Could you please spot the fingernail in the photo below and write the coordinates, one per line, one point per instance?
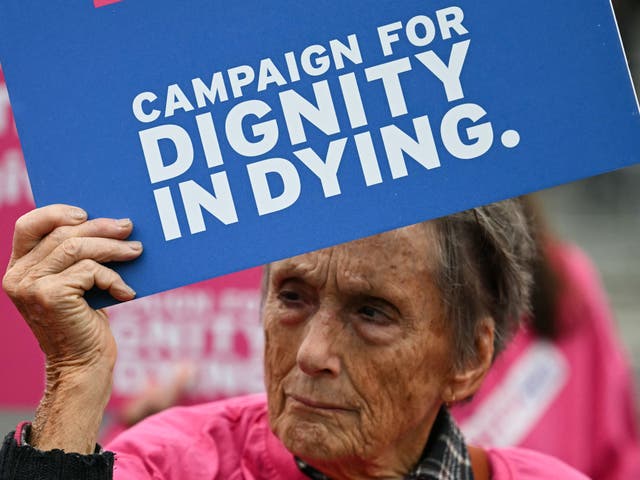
(78, 214)
(123, 222)
(135, 246)
(129, 291)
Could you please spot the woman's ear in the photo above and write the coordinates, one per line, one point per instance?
(465, 381)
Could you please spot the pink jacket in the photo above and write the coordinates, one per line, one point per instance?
(573, 398)
(231, 440)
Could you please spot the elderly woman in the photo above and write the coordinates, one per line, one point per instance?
(366, 344)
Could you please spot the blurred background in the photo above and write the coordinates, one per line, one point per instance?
(602, 214)
(216, 346)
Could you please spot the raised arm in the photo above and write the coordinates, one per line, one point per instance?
(57, 256)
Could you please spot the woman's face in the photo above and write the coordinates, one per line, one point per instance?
(357, 359)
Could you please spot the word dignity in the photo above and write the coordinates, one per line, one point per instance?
(298, 124)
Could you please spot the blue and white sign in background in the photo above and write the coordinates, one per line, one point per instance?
(236, 133)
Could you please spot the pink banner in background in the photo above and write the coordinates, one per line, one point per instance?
(20, 357)
(212, 326)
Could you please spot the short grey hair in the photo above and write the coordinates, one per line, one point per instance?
(484, 268)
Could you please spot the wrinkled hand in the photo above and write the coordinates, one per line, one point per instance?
(57, 256)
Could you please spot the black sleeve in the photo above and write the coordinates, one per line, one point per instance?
(27, 463)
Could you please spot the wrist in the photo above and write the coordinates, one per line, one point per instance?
(70, 412)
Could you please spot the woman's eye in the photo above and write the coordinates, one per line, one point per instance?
(289, 296)
(373, 315)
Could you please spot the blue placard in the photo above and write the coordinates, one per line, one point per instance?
(237, 133)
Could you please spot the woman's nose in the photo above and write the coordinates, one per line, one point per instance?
(318, 352)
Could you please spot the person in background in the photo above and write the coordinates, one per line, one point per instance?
(563, 386)
(154, 398)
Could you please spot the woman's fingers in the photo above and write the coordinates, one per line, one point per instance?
(99, 227)
(86, 274)
(40, 231)
(36, 224)
(76, 249)
(22, 278)
(60, 293)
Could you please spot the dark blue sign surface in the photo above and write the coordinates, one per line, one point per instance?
(237, 133)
